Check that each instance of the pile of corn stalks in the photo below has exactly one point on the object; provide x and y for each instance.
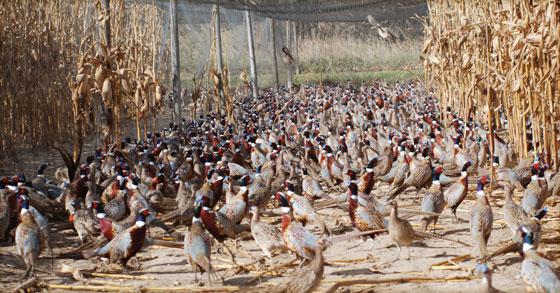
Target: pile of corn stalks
(55, 68)
(497, 61)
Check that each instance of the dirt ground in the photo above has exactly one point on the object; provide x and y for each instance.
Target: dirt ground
(371, 259)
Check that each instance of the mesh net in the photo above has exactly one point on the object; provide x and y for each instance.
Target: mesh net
(324, 30)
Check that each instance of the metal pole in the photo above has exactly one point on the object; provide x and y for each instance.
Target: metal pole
(166, 24)
(217, 30)
(295, 49)
(274, 53)
(177, 109)
(252, 61)
(289, 46)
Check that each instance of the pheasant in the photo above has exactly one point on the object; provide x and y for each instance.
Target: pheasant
(267, 237)
(367, 179)
(40, 219)
(481, 219)
(311, 187)
(537, 272)
(515, 216)
(197, 246)
(402, 233)
(302, 209)
(433, 201)
(362, 218)
(536, 192)
(117, 208)
(236, 207)
(83, 221)
(28, 239)
(217, 224)
(401, 169)
(8, 210)
(307, 278)
(296, 238)
(123, 246)
(420, 176)
(457, 192)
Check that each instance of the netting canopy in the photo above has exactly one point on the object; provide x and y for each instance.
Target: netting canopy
(326, 35)
(382, 11)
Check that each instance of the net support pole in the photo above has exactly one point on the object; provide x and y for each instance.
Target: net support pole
(175, 63)
(165, 32)
(219, 63)
(289, 46)
(296, 50)
(252, 61)
(274, 53)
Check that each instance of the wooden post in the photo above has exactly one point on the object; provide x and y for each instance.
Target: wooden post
(252, 62)
(289, 46)
(274, 52)
(218, 33)
(177, 107)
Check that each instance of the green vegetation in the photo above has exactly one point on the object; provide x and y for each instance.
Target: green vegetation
(357, 77)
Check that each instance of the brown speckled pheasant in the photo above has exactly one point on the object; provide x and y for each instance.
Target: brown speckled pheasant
(267, 237)
(481, 219)
(307, 278)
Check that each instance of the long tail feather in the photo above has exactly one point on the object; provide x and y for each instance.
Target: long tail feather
(347, 236)
(421, 234)
(511, 246)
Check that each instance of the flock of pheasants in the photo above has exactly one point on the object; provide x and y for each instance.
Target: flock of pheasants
(292, 152)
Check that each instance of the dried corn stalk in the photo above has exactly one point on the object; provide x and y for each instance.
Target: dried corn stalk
(509, 47)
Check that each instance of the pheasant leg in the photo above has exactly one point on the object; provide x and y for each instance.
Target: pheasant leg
(398, 252)
(230, 253)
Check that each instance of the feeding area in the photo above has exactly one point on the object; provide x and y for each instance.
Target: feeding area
(283, 146)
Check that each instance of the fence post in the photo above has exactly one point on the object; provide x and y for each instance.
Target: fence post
(274, 53)
(177, 107)
(218, 31)
(252, 61)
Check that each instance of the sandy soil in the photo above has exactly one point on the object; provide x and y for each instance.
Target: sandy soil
(355, 258)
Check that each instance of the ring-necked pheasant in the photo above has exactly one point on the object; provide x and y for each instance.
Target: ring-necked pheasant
(302, 209)
(298, 239)
(457, 192)
(536, 192)
(28, 239)
(236, 207)
(197, 247)
(420, 176)
(125, 245)
(537, 272)
(433, 201)
(362, 217)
